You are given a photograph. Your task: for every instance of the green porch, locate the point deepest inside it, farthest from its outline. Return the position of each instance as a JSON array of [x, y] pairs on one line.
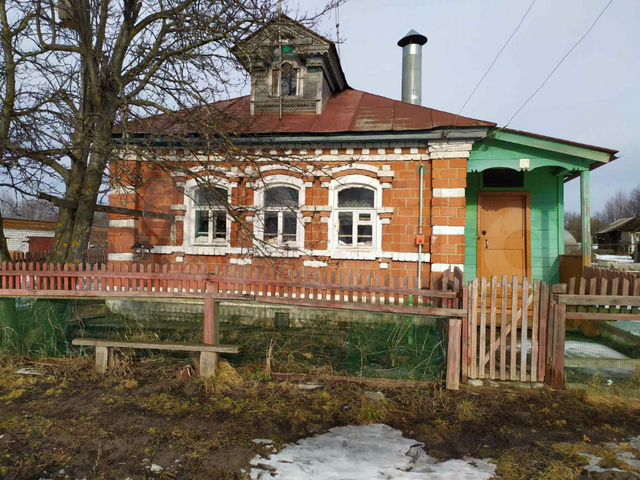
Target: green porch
[[509, 161]]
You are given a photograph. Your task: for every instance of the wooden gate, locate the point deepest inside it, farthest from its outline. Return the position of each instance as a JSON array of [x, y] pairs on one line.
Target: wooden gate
[[506, 332]]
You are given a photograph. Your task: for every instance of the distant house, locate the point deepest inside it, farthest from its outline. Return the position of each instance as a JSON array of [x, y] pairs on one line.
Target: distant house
[[32, 238], [28, 236], [620, 237]]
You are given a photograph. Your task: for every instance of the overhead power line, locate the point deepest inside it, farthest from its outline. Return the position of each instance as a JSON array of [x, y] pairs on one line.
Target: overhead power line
[[495, 59], [566, 55]]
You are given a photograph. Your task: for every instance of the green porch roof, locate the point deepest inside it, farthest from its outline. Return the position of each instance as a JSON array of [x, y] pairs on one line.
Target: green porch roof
[[505, 148]]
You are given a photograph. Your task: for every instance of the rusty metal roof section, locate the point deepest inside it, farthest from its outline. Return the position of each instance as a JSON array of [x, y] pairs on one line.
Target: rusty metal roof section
[[350, 111]]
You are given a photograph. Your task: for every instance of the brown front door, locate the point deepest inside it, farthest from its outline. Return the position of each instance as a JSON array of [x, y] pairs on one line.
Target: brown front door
[[503, 234]]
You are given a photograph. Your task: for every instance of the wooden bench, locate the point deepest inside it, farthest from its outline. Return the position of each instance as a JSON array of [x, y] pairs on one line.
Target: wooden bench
[[208, 353]]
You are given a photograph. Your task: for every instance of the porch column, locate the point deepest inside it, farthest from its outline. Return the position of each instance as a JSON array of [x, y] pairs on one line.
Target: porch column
[[585, 215]]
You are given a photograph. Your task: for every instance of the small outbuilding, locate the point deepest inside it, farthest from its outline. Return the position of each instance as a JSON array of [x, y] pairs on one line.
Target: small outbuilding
[[621, 237]]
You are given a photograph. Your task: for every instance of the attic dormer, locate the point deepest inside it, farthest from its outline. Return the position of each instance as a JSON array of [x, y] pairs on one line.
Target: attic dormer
[[292, 68]]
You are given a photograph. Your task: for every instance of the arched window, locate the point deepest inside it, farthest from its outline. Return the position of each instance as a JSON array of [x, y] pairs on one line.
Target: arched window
[[282, 209], [284, 81], [209, 215], [356, 217]]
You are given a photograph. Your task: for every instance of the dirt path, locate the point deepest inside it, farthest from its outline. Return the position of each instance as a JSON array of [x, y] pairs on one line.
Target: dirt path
[[143, 421]]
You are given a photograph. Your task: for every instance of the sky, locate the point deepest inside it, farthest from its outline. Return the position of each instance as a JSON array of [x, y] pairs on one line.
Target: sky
[[594, 97]]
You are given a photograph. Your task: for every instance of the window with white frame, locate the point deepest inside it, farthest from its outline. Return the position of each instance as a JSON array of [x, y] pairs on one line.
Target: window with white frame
[[281, 215], [209, 215], [356, 217]]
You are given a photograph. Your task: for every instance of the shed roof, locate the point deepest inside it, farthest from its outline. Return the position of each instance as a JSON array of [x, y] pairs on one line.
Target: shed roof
[[629, 224], [350, 111]]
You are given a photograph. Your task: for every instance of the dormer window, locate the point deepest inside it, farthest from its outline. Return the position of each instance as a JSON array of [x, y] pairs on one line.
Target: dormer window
[[284, 81]]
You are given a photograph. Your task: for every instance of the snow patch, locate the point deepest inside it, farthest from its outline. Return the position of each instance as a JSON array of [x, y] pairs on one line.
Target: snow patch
[[574, 348], [615, 258], [369, 452]]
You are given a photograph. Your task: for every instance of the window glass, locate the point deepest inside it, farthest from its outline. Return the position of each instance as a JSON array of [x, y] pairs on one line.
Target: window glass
[[503, 177], [210, 197], [288, 80], [365, 234], [271, 225], [202, 225], [275, 79], [289, 226], [220, 225], [281, 197], [345, 228], [356, 198]]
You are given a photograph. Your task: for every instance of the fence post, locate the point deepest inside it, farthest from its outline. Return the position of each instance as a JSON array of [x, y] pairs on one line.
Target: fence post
[[557, 328], [209, 360], [454, 346]]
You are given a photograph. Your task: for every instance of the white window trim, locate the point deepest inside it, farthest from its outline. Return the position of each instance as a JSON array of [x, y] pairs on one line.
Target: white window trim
[[259, 191], [353, 181], [189, 233]]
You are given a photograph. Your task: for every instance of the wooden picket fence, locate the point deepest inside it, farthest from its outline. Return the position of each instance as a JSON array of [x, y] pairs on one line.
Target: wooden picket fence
[[301, 287], [605, 281], [265, 283], [506, 330], [94, 256]]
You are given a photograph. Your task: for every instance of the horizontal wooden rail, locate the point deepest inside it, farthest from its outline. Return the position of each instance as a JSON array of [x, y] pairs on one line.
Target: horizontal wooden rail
[[367, 307], [171, 347], [135, 294], [597, 300], [603, 316]]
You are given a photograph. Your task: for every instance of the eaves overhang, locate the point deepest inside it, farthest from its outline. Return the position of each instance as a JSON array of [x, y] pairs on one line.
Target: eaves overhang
[[471, 134]]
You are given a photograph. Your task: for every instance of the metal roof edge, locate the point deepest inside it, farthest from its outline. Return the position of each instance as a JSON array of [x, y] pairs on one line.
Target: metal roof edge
[[443, 134]]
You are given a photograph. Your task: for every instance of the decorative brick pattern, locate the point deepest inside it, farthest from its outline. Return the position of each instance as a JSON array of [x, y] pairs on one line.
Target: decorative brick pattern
[[443, 216]]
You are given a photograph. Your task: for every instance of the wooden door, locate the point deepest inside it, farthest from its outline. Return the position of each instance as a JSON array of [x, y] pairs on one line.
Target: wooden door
[[503, 234]]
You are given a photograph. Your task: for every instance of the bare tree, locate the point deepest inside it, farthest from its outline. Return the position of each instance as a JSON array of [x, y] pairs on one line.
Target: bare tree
[[621, 204], [75, 68]]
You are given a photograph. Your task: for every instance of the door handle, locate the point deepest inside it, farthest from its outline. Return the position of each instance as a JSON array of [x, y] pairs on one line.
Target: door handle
[[486, 243]]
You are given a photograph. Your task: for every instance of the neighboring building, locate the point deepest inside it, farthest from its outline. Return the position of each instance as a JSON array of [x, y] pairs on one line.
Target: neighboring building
[[28, 236], [363, 167], [37, 237], [621, 237]]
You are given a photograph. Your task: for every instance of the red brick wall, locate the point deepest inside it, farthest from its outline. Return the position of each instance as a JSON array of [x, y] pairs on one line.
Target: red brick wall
[[158, 191]]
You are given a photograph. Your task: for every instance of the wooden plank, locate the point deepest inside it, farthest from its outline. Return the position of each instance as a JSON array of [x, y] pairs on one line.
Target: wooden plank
[[453, 353], [514, 329], [605, 317], [503, 329], [524, 330], [171, 347], [473, 351], [464, 360], [150, 296], [534, 331], [542, 330], [385, 308], [492, 332], [557, 370], [483, 328], [617, 300]]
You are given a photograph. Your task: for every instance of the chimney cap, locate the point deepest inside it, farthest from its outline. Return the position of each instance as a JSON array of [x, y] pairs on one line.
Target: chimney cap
[[412, 37]]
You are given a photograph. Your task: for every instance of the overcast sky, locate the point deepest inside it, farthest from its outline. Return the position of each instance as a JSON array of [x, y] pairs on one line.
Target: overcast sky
[[593, 98]]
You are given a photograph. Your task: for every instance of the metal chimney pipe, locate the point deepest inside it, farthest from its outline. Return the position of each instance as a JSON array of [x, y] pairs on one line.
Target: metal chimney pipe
[[411, 45]]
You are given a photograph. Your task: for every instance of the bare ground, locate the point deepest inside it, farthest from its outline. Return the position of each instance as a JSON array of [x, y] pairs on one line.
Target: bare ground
[[72, 423]]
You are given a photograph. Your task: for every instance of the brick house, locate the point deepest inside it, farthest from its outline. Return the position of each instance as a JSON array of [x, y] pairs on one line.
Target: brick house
[[327, 177]]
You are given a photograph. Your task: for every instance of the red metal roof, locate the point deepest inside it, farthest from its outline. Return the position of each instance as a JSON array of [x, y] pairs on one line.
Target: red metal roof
[[350, 111]]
